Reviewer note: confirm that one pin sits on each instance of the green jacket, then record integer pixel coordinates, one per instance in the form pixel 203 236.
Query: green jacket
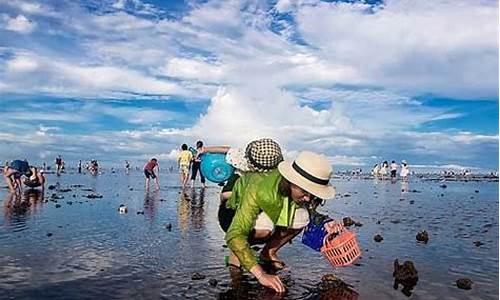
pixel 252 194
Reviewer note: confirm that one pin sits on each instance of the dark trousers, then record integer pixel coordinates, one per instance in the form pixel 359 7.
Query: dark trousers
pixel 195 169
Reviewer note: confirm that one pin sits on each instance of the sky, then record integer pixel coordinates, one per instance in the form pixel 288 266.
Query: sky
pixel 358 81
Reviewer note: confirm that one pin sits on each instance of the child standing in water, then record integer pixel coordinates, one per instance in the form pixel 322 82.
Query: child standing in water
pixel 184 162
pixel 149 171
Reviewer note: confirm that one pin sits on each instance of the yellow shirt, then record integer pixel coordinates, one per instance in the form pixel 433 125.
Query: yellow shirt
pixel 185 157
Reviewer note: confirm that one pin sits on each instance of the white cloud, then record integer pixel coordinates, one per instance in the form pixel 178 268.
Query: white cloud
pixel 20 24
pixel 22 64
pixel 441 47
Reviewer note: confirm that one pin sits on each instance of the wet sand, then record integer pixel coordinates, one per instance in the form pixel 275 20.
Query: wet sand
pixel 81 247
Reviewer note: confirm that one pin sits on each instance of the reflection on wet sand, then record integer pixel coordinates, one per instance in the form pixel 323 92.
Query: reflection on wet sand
pixel 150 204
pixel 17 205
pixel 191 203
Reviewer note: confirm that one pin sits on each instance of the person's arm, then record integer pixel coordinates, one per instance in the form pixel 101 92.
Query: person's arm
pixel 6 174
pixel 239 232
pixel 41 179
pixel 215 149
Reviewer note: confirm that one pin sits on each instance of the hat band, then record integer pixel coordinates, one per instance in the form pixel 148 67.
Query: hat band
pixel 309 176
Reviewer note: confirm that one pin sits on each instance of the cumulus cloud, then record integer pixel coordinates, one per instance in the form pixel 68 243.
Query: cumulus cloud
pixel 20 24
pixel 342 78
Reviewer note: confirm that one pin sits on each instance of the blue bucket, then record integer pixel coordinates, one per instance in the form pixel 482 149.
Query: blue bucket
pixel 215 168
pixel 314 233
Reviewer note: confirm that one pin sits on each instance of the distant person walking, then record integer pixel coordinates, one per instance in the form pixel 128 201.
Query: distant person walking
pixel 405 171
pixel 149 171
pixel 195 166
pixel 59 165
pixel 127 167
pixel 80 167
pixel 394 169
pixel 184 162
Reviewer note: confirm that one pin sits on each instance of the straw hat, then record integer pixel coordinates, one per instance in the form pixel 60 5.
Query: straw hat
pixel 311 172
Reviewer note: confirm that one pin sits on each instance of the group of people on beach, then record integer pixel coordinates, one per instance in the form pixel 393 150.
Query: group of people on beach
pixel 383 170
pixel 267 200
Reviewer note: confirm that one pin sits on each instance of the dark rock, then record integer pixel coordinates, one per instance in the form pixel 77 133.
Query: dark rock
pixel 168 226
pixel 52 187
pixel 464 283
pixel 140 212
pixel 348 221
pixel 478 243
pixel 224 246
pixel 443 186
pixel 64 190
pixel 397 221
pixel 358 224
pixel 213 282
pixel 412 201
pixel 198 276
pixel 406 275
pixel 423 236
pixel 378 222
pixel 49 234
pixel 58 205
pixel 69 202
pixel 94 196
pixel 378 238
pixel 347 195
pixel 477 191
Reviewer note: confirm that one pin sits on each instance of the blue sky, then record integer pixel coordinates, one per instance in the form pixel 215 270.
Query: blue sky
pixel 359 81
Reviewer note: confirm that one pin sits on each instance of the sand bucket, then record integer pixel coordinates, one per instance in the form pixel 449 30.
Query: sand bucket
pixel 215 168
pixel 340 247
pixel 315 232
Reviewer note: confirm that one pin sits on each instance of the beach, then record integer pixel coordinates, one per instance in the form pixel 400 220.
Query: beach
pixel 74 244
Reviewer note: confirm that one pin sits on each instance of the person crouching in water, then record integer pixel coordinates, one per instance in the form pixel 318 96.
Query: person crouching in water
pixel 270 208
pixel 14 172
pixel 149 171
pixel 36 179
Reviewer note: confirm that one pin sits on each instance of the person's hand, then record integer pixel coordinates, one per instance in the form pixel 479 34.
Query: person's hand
pixel 332 227
pixel 272 281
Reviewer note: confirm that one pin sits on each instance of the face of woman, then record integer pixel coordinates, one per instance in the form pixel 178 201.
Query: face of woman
pixel 299 195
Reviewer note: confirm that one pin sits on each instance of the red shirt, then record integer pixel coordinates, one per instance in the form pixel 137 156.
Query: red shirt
pixel 150 165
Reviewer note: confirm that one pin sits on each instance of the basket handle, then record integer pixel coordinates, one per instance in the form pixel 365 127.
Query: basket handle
pixel 337 228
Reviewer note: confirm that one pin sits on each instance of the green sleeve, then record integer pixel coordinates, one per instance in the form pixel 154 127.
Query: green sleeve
pixel 241 227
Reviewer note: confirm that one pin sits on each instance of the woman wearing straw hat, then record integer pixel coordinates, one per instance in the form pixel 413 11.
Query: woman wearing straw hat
pixel 269 208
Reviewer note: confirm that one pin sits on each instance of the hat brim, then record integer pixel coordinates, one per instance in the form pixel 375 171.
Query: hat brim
pixel 318 190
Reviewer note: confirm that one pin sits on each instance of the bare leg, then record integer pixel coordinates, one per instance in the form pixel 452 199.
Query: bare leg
pixel 157 184
pixel 279 238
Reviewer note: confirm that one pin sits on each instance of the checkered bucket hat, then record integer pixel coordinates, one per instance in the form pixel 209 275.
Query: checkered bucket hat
pixel 263 155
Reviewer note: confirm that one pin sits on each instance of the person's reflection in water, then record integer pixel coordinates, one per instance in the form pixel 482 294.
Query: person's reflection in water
pixel 150 204
pixel 183 211
pixel 16 206
pixel 404 187
pixel 197 209
pixel 34 197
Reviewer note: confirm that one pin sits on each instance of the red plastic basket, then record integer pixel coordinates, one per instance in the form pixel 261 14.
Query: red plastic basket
pixel 340 247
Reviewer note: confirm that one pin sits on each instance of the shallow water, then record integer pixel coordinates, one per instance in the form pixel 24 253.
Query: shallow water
pixel 95 252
